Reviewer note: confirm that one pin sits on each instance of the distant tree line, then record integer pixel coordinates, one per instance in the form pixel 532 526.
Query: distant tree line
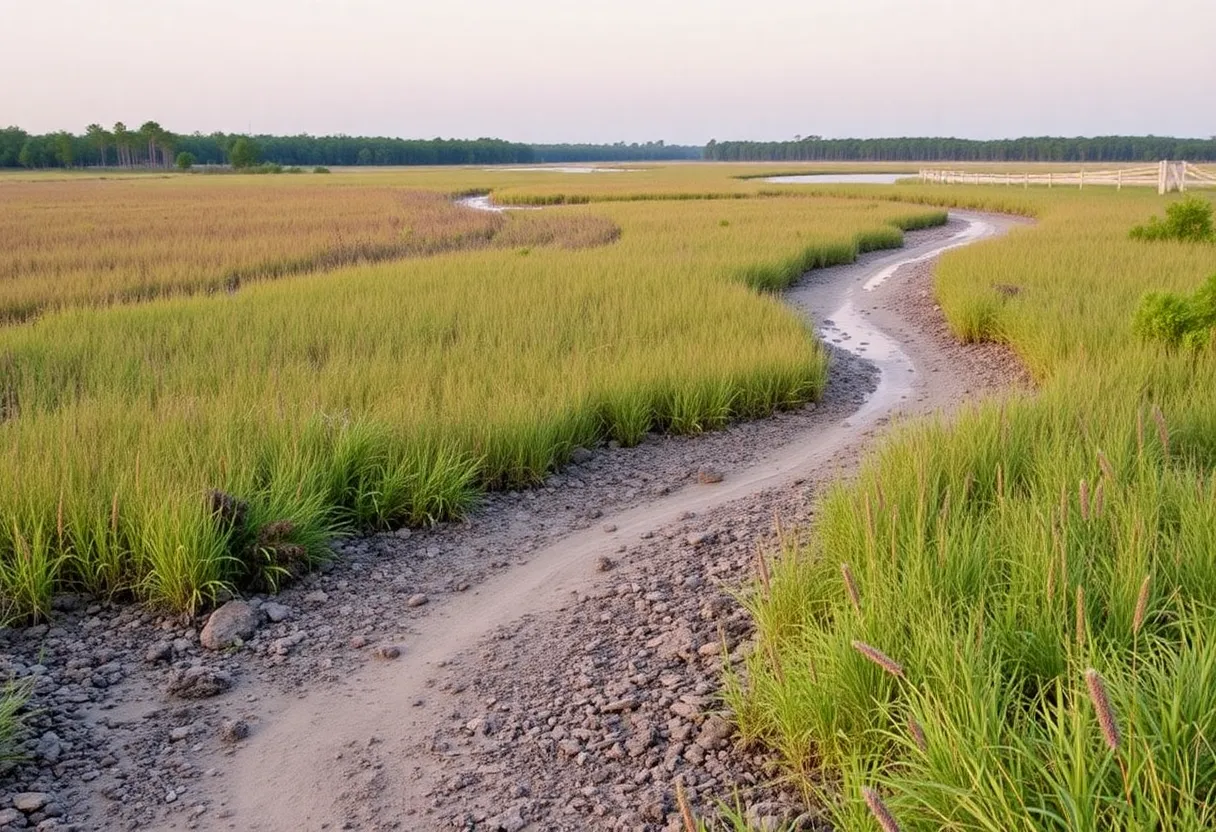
pixel 1037 149
pixel 153 146
pixel 620 152
pixel 150 145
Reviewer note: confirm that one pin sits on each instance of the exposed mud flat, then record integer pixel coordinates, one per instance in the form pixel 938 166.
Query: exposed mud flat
pixel 549 664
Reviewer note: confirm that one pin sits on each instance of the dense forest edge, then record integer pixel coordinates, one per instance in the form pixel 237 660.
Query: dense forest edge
pixel 1028 149
pixel 153 146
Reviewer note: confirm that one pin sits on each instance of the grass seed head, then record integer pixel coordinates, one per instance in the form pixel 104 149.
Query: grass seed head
pixel 1106 714
pixel 1141 605
pixel 1163 433
pixel 918 734
pixel 879 810
pixel 1080 616
pixel 850 585
pixel 879 658
pixel 762 569
pixel 690 824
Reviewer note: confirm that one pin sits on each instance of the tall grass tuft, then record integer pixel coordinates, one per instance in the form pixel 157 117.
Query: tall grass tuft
pixel 13 697
pixel 1007 552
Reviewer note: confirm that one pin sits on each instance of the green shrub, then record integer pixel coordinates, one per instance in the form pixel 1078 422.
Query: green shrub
pixel 320 169
pixel 1179 320
pixel 185 160
pixel 1189 220
pixel 244 153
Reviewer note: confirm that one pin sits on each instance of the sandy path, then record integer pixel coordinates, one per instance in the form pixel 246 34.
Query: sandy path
pixel 285 779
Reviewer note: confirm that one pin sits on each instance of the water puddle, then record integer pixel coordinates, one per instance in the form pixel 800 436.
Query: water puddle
pixel 485 203
pixel 848 329
pixel 975 230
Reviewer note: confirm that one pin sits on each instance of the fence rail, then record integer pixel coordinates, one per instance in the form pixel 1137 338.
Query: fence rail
pixel 1167 176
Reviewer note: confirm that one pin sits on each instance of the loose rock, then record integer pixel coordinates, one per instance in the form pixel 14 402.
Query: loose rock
pixel 198 682
pixel 231 624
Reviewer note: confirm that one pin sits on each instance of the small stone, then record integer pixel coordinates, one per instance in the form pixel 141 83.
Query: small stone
pixel 709 476
pixel 358 642
pixel 316 597
pixel 180 733
pixel 234 730
pixel 49 748
pixel 30 802
pixel 629 703
pixel 234 622
pixel 509 821
pixel 11 819
pixel 699 538
pixel 580 455
pixel 404 533
pixel 199 682
pixel 276 612
pixel 388 652
pixel 171 797
pixel 417 600
pixel 610 527
pixel 161 651
pixel 604 563
pixel 714 732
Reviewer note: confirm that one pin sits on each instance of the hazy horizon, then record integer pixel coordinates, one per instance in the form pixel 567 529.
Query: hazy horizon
pixel 543 71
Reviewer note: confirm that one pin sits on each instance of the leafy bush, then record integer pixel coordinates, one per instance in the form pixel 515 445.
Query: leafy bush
pixel 320 169
pixel 244 153
pixel 1179 320
pixel 1189 220
pixel 185 160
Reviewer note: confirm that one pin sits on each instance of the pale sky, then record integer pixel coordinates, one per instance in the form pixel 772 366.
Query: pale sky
pixel 684 71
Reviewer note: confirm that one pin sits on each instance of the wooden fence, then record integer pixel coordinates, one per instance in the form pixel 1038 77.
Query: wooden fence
pixel 1167 176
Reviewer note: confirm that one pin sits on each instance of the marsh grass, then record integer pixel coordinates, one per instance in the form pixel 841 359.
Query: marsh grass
pixel 169 450
pixel 1001 560
pixel 13 699
pixel 134 241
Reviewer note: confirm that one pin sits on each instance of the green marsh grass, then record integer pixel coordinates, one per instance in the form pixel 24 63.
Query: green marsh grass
pixel 170 449
pixel 13 697
pixel 1003 555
